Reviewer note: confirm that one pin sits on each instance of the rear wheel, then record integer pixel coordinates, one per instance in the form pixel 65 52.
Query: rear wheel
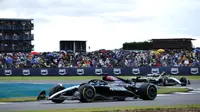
pixel 183 81
pixel 148 91
pixel 54 90
pixel 87 93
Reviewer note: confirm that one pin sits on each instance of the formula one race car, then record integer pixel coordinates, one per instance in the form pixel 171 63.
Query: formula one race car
pixel 109 88
pixel 162 80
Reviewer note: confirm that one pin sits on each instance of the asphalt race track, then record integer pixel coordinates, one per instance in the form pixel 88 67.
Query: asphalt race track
pixel 160 100
pixel 171 99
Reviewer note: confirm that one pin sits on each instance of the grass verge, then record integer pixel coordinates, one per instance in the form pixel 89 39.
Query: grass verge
pixel 30 78
pixel 167 108
pixel 162 90
pixel 18 99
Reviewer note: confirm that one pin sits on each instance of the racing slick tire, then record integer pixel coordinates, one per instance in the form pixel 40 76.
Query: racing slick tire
pixel 183 81
pixel 147 91
pixel 55 89
pixel 87 93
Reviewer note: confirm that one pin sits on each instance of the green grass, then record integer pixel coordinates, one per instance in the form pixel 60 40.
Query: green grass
pixel 162 90
pixel 18 99
pixel 119 109
pixel 28 78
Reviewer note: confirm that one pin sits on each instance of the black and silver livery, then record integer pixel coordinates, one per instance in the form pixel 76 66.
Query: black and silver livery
pixel 107 88
pixel 162 79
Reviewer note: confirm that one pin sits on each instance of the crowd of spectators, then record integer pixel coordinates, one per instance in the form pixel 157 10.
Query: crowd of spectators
pixel 15 30
pixel 100 58
pixel 12 25
pixel 15 36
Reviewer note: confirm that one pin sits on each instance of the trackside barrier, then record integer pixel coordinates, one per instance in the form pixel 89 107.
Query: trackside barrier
pixel 98 71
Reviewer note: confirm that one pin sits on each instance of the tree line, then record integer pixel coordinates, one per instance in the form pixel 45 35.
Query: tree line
pixel 146 45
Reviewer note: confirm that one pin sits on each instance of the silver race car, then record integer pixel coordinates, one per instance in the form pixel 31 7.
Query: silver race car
pixel 107 88
pixel 162 80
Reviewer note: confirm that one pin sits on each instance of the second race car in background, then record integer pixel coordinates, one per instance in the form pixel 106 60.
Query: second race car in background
pixel 162 80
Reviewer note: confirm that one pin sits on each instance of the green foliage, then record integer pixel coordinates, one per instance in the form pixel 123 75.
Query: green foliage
pixel 146 45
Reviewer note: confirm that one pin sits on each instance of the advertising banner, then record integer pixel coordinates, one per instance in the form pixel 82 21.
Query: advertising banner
pixel 98 71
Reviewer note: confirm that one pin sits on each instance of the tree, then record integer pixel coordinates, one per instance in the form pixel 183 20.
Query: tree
pixel 146 45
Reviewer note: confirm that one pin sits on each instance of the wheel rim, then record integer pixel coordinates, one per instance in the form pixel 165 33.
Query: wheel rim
pixel 89 93
pixel 152 92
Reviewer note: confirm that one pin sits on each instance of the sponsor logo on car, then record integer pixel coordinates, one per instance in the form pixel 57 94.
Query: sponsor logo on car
pixel 117 88
pixel 44 72
pixel 117 71
pixel 26 72
pixel 8 72
pixel 80 71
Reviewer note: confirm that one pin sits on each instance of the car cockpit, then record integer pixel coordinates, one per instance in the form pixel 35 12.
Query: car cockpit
pixel 97 82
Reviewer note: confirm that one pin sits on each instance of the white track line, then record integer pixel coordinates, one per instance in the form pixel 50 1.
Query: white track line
pixel 197 89
pixel 2 103
pixel 185 93
pixel 164 95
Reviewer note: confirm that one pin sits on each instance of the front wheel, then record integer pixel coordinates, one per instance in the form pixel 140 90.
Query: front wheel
pixel 87 93
pixel 147 91
pixel 54 90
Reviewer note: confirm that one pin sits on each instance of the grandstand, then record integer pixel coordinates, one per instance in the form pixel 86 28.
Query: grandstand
pixel 166 43
pixel 15 51
pixel 73 45
pixel 172 43
pixel 15 35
